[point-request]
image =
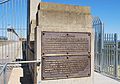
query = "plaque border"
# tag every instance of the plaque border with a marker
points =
(43, 32)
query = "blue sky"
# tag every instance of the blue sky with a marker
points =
(107, 10)
(13, 14)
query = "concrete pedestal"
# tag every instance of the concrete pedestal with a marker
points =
(63, 19)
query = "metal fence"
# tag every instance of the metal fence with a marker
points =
(107, 52)
(119, 63)
(110, 55)
(13, 28)
(99, 34)
(13, 32)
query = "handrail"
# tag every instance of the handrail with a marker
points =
(18, 62)
(25, 62)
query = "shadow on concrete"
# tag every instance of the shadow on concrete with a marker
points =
(27, 78)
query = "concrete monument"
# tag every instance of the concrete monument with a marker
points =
(64, 43)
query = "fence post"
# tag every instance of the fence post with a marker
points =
(116, 56)
(102, 46)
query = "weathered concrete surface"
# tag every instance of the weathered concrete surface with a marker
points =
(63, 18)
(10, 50)
(101, 79)
(15, 76)
(63, 8)
(7, 76)
(32, 26)
(32, 30)
(98, 78)
(33, 8)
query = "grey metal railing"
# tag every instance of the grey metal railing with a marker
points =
(110, 55)
(99, 34)
(119, 63)
(107, 52)
(13, 33)
(3, 74)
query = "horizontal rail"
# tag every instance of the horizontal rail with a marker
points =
(19, 62)
(12, 65)
(25, 62)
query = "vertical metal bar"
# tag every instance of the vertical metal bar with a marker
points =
(4, 78)
(102, 46)
(100, 32)
(2, 31)
(113, 56)
(104, 53)
(28, 25)
(110, 56)
(116, 56)
(107, 51)
(6, 30)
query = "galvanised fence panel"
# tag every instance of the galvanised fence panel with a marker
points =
(13, 28)
(110, 55)
(107, 51)
(99, 33)
(13, 31)
(119, 62)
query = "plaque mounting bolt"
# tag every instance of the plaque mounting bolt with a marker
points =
(43, 78)
(43, 53)
(89, 34)
(43, 58)
(67, 76)
(67, 34)
(43, 33)
(88, 74)
(89, 56)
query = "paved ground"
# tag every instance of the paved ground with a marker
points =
(101, 79)
(25, 78)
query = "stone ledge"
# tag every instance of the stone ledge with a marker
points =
(63, 8)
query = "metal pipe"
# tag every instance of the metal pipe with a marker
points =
(19, 62)
(25, 62)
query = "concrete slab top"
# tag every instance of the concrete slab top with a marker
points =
(63, 8)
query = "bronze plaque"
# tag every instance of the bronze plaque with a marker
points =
(66, 43)
(60, 67)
